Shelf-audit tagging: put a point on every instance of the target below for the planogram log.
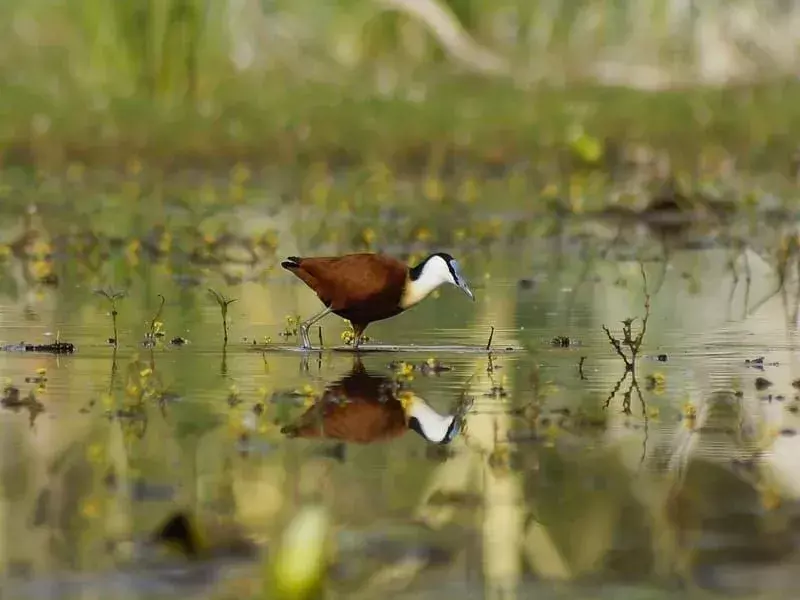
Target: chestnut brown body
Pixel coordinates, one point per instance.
(361, 288)
(359, 408)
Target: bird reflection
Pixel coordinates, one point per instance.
(364, 408)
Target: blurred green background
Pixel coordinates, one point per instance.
(203, 82)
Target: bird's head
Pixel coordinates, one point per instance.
(436, 270)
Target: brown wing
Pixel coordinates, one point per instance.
(359, 422)
(351, 280)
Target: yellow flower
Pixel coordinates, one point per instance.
(406, 399)
(165, 243)
(134, 166)
(434, 189)
(90, 508)
(41, 269)
(132, 251)
(94, 453)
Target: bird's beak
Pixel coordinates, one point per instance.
(463, 285)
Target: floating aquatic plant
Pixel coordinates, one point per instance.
(292, 325)
(155, 325)
(630, 341)
(349, 335)
(112, 297)
(223, 303)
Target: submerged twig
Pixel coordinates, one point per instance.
(223, 303)
(633, 343)
(580, 367)
(319, 331)
(489, 343)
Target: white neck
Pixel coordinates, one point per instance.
(434, 274)
(434, 426)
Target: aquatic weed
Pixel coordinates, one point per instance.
(292, 325)
(633, 343)
(112, 297)
(349, 335)
(223, 303)
(156, 326)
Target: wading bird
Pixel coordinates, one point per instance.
(363, 288)
(365, 408)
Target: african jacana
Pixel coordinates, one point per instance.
(363, 408)
(364, 288)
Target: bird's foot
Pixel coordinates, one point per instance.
(305, 343)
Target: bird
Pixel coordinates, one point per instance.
(364, 408)
(367, 287)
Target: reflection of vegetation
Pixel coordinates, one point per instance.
(631, 342)
(12, 399)
(785, 260)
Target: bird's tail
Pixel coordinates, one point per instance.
(292, 262)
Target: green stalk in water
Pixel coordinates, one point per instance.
(112, 298)
(223, 307)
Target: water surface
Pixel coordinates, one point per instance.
(573, 476)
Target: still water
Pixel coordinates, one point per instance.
(572, 477)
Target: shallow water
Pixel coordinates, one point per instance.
(570, 478)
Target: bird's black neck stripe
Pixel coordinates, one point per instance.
(415, 425)
(450, 433)
(415, 273)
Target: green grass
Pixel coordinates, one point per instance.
(306, 123)
(188, 82)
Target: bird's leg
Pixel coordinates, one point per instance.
(305, 343)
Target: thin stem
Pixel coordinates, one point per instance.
(157, 316)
